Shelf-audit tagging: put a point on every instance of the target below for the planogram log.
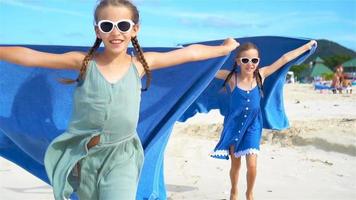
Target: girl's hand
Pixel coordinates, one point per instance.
(311, 44)
(231, 44)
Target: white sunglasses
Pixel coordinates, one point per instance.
(124, 26)
(246, 60)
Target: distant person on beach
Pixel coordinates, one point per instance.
(347, 85)
(338, 78)
(243, 124)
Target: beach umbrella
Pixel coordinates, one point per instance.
(319, 69)
(350, 66)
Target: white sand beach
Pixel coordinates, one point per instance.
(314, 159)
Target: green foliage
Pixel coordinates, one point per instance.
(327, 48)
(298, 69)
(335, 60)
(333, 55)
(328, 76)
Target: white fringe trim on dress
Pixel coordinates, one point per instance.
(246, 152)
(237, 154)
(219, 153)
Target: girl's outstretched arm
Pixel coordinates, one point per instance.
(32, 58)
(268, 70)
(222, 74)
(190, 53)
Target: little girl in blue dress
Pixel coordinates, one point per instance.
(243, 124)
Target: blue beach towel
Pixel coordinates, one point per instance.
(35, 107)
(272, 105)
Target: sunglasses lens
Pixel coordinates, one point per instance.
(124, 26)
(106, 27)
(254, 60)
(244, 60)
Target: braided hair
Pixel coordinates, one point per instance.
(232, 72)
(85, 63)
(142, 60)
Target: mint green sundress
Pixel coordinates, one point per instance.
(111, 169)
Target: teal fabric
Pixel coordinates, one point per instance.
(99, 107)
(111, 171)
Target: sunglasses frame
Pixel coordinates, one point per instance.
(249, 60)
(115, 25)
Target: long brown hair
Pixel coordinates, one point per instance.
(140, 56)
(256, 74)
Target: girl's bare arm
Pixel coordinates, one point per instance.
(32, 58)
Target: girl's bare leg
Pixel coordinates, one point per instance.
(234, 174)
(251, 163)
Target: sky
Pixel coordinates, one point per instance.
(173, 22)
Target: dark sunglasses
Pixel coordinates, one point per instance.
(246, 60)
(124, 26)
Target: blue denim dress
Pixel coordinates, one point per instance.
(242, 125)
